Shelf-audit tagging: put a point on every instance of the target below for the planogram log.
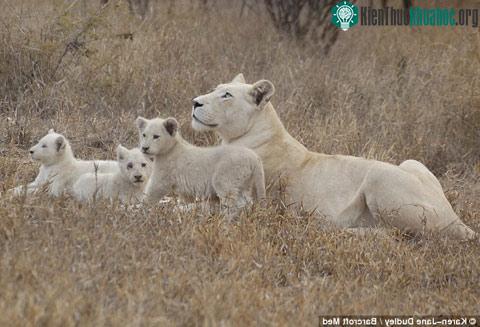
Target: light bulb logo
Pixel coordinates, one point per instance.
(344, 15)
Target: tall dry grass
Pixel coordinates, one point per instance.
(384, 93)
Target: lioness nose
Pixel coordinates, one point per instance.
(31, 151)
(197, 104)
(138, 177)
(145, 148)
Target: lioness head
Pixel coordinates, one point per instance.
(157, 136)
(134, 165)
(50, 149)
(231, 108)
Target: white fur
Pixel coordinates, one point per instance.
(59, 168)
(127, 184)
(229, 172)
(350, 191)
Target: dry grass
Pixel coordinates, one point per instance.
(383, 93)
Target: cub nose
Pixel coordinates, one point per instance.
(197, 104)
(31, 151)
(138, 177)
(145, 149)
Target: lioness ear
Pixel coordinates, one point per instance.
(51, 131)
(239, 79)
(121, 152)
(171, 125)
(262, 91)
(60, 143)
(141, 123)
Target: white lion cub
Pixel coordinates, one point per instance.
(127, 184)
(59, 168)
(227, 172)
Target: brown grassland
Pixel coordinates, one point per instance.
(384, 93)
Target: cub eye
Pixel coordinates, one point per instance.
(227, 95)
(129, 165)
(156, 136)
(44, 145)
(144, 135)
(144, 165)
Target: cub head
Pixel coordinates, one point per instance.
(51, 149)
(157, 136)
(134, 165)
(230, 109)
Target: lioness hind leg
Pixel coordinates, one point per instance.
(356, 213)
(400, 199)
(422, 173)
(460, 231)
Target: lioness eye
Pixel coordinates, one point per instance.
(156, 136)
(227, 95)
(44, 145)
(144, 165)
(130, 165)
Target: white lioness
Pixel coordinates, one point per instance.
(227, 172)
(59, 169)
(349, 191)
(127, 184)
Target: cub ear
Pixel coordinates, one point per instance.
(262, 91)
(239, 79)
(141, 123)
(60, 143)
(171, 125)
(51, 131)
(121, 152)
(152, 159)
